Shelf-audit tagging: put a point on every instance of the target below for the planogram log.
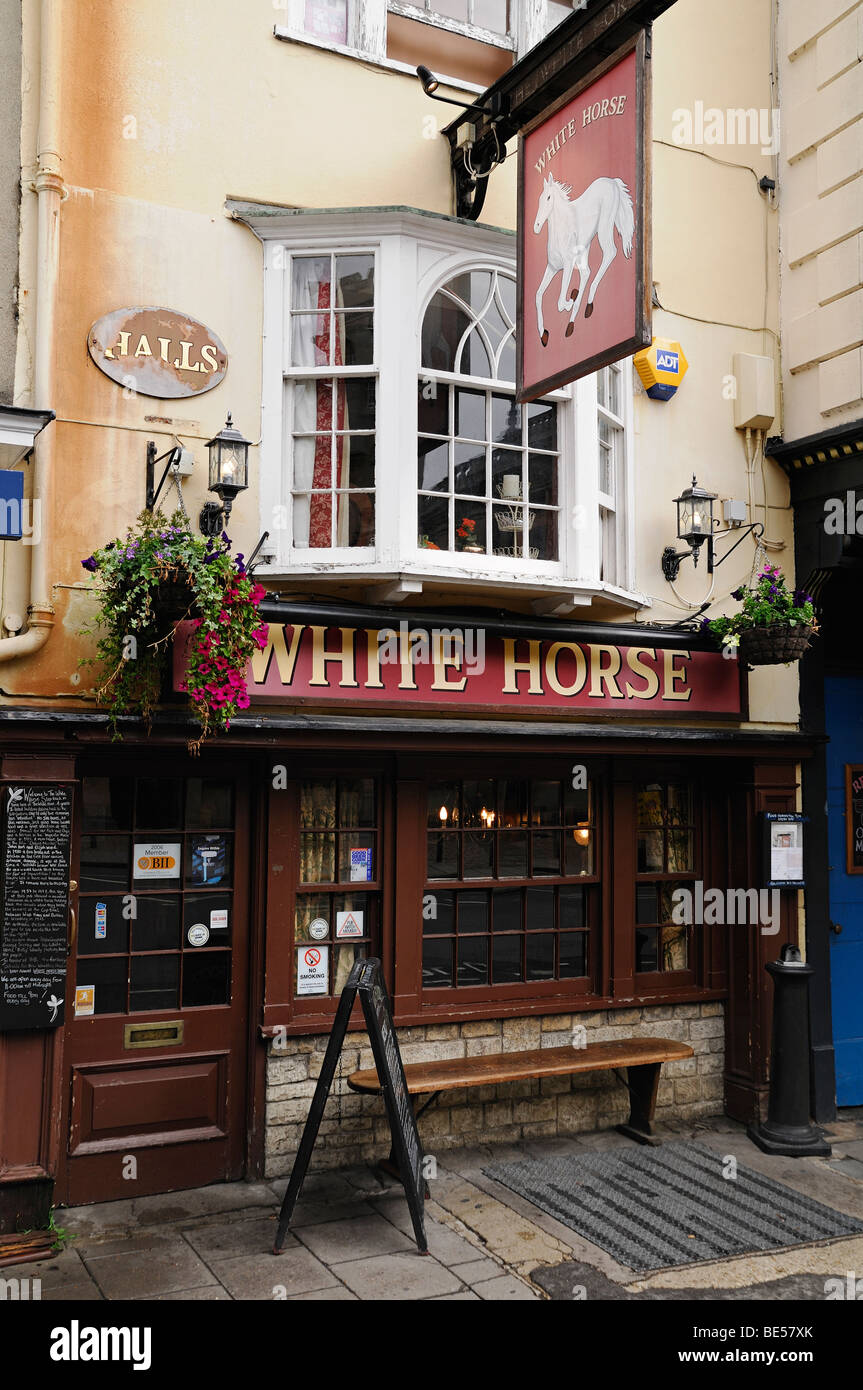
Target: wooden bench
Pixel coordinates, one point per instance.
(642, 1057)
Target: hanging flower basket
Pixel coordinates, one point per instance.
(774, 625)
(158, 576)
(775, 644)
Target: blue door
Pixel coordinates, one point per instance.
(844, 712)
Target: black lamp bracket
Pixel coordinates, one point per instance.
(172, 455)
(672, 559)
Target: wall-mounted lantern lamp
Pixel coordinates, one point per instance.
(695, 523)
(229, 474)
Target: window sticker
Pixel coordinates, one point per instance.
(313, 969)
(349, 924)
(209, 859)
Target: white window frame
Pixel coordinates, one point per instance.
(415, 255)
(525, 567)
(457, 26)
(367, 32)
(334, 555)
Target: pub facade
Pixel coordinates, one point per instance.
(486, 742)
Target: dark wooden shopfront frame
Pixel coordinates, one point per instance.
(767, 781)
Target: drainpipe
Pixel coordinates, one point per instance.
(49, 189)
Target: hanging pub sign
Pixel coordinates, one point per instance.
(584, 228)
(157, 352)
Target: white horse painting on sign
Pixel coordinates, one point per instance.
(604, 207)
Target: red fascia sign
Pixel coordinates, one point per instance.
(466, 670)
(584, 229)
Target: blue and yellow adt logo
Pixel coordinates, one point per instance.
(661, 367)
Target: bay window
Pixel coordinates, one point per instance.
(392, 440)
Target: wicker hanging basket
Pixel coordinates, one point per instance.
(774, 644)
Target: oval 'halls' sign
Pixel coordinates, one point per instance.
(157, 352)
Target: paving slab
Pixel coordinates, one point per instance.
(357, 1239)
(339, 1294)
(214, 1242)
(852, 1150)
(507, 1287)
(466, 1296)
(447, 1245)
(129, 1213)
(274, 1276)
(165, 1266)
(65, 1267)
(85, 1292)
(846, 1166)
(315, 1213)
(398, 1277)
(478, 1271)
(214, 1293)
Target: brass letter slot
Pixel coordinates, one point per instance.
(153, 1034)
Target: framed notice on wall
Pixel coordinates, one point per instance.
(854, 818)
(35, 839)
(783, 850)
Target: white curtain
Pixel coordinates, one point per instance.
(313, 411)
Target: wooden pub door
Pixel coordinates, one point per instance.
(156, 1037)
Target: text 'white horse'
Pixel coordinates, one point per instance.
(572, 224)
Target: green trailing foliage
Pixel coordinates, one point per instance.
(159, 576)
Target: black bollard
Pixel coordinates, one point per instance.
(788, 1129)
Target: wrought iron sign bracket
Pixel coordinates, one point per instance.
(570, 52)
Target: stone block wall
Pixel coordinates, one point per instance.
(355, 1129)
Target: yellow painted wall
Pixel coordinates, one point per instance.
(170, 109)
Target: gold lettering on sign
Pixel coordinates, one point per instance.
(407, 681)
(321, 657)
(604, 675)
(446, 652)
(512, 667)
(671, 674)
(183, 364)
(143, 348)
(121, 347)
(638, 668)
(164, 345)
(208, 353)
(373, 679)
(286, 658)
(551, 668)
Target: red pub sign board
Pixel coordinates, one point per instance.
(469, 670)
(584, 236)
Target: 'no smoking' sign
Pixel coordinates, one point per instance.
(313, 969)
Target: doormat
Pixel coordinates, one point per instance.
(652, 1208)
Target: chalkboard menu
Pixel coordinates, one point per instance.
(854, 817)
(34, 889)
(366, 980)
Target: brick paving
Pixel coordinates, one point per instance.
(351, 1238)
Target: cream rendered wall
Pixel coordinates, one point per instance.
(821, 75)
(168, 110)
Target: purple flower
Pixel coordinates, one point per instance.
(90, 564)
(738, 593)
